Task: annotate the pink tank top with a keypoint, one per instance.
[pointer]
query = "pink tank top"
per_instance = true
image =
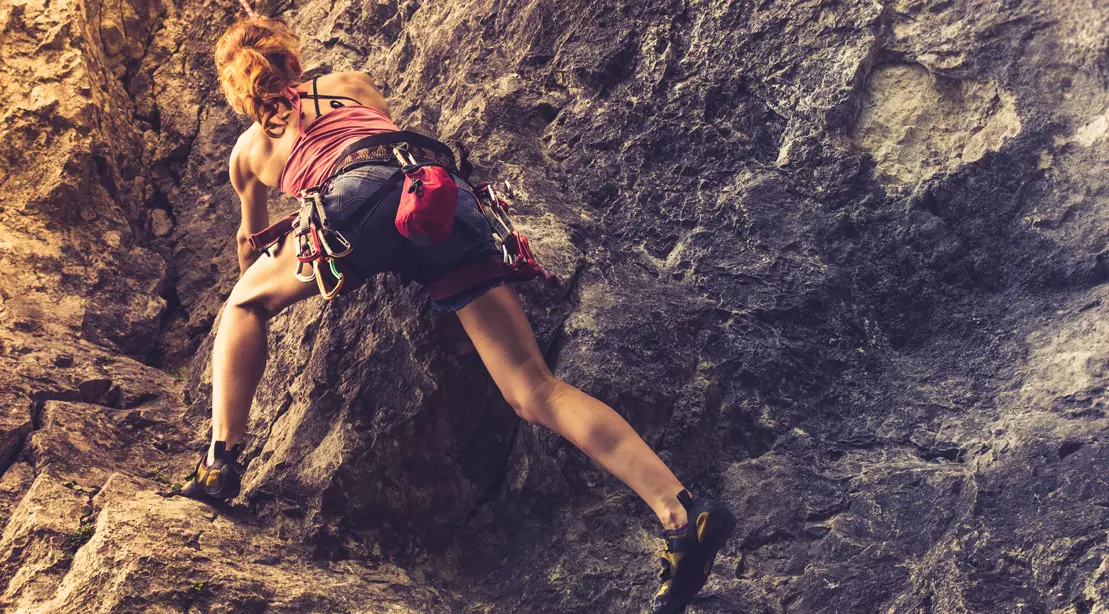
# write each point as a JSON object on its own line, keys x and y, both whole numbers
{"x": 316, "y": 150}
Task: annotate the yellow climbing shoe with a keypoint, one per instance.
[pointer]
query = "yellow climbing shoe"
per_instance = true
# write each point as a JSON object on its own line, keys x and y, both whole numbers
{"x": 220, "y": 480}
{"x": 690, "y": 552}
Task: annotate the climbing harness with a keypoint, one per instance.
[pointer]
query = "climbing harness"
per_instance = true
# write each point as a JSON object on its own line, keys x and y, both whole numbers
{"x": 515, "y": 262}
{"x": 515, "y": 250}
{"x": 317, "y": 245}
{"x": 425, "y": 215}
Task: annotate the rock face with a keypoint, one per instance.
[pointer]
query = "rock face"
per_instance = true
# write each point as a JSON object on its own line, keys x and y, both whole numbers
{"x": 915, "y": 125}
{"x": 843, "y": 265}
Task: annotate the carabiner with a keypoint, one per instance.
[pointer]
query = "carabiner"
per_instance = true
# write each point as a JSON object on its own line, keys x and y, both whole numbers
{"x": 328, "y": 294}
{"x": 399, "y": 151}
{"x": 303, "y": 278}
{"x": 317, "y": 205}
{"x": 496, "y": 208}
{"x": 311, "y": 250}
{"x": 336, "y": 236}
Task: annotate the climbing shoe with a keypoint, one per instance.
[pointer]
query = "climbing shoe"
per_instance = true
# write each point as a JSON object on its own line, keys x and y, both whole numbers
{"x": 690, "y": 552}
{"x": 220, "y": 480}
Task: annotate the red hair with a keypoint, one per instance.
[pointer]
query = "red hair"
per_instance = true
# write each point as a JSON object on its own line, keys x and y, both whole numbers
{"x": 258, "y": 60}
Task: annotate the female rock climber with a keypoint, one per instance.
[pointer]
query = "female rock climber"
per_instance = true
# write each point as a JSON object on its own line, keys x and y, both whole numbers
{"x": 293, "y": 146}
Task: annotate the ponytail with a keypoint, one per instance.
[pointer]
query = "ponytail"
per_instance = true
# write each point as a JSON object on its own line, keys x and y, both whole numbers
{"x": 258, "y": 61}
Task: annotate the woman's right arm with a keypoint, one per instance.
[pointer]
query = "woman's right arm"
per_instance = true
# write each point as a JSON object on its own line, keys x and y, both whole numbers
{"x": 252, "y": 199}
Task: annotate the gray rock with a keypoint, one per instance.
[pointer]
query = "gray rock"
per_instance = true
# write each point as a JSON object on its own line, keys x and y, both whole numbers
{"x": 843, "y": 266}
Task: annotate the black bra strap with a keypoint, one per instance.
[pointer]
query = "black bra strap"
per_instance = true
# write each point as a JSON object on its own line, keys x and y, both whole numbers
{"x": 316, "y": 96}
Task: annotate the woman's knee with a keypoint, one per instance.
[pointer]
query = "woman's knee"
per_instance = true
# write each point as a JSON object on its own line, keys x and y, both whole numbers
{"x": 248, "y": 299}
{"x": 533, "y": 401}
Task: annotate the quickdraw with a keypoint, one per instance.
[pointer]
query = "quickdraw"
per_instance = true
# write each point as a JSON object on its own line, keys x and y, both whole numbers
{"x": 515, "y": 249}
{"x": 318, "y": 246}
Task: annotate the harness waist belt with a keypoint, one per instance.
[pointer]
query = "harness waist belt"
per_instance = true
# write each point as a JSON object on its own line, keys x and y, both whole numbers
{"x": 383, "y": 154}
{"x": 376, "y": 148}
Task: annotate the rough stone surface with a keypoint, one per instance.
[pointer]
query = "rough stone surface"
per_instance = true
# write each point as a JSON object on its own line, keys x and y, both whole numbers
{"x": 915, "y": 124}
{"x": 844, "y": 265}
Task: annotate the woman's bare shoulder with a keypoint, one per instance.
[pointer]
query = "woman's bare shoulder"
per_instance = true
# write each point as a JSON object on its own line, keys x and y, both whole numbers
{"x": 353, "y": 84}
{"x": 249, "y": 147}
{"x": 357, "y": 85}
{"x": 353, "y": 78}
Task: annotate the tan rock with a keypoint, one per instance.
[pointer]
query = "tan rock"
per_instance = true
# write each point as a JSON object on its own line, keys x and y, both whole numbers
{"x": 17, "y": 479}
{"x": 88, "y": 443}
{"x": 161, "y": 224}
{"x": 149, "y": 552}
{"x": 38, "y": 542}
{"x": 916, "y": 124}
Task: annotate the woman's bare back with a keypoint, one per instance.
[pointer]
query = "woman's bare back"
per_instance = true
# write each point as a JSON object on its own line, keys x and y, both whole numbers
{"x": 265, "y": 156}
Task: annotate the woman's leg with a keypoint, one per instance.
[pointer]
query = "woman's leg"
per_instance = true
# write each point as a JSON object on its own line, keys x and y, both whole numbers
{"x": 503, "y": 337}
{"x": 239, "y": 353}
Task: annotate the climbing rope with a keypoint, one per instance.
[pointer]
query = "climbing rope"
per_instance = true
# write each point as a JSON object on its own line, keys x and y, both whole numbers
{"x": 246, "y": 7}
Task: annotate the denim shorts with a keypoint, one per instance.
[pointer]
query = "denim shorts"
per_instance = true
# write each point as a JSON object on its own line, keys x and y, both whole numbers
{"x": 378, "y": 247}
